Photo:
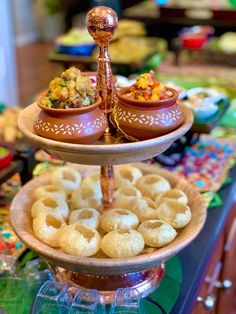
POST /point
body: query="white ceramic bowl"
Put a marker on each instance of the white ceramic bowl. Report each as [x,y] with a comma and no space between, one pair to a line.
[205,111]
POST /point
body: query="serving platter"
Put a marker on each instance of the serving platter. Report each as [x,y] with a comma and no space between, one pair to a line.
[144,271]
[98,153]
[100,265]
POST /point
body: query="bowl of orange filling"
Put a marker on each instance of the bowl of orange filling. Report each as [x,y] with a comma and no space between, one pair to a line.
[147,109]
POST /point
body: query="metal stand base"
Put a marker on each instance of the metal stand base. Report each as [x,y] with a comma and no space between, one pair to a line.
[145,282]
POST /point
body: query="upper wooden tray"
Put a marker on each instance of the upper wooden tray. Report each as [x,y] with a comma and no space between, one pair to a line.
[101,154]
[22,224]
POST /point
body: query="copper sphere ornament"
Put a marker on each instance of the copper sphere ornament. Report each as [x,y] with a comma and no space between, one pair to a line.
[102,23]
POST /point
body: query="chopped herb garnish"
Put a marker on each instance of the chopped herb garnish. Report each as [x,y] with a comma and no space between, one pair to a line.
[63,84]
[55,101]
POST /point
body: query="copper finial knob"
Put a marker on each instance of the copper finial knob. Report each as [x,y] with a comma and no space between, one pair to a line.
[102,23]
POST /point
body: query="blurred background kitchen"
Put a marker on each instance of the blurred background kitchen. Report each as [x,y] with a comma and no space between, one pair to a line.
[30,29]
[191,46]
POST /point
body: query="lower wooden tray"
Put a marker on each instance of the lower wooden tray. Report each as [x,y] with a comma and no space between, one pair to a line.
[149,259]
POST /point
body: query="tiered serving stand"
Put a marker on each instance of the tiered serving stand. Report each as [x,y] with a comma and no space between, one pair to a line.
[142,272]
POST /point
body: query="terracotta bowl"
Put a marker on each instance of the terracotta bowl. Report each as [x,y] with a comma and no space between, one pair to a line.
[75,125]
[144,120]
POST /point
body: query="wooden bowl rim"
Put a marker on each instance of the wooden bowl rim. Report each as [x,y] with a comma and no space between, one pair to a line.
[96,263]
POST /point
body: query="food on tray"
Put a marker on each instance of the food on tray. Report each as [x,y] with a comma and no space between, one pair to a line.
[75,42]
[174,213]
[148,89]
[66,178]
[75,36]
[9,131]
[146,203]
[79,240]
[126,176]
[175,194]
[227,42]
[122,243]
[117,218]
[86,197]
[50,204]
[123,196]
[144,208]
[85,216]
[130,50]
[203,101]
[157,233]
[151,185]
[70,90]
[46,227]
[92,180]
[49,190]
[130,28]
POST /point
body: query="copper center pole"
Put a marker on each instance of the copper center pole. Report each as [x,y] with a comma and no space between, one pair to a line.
[107,186]
[102,23]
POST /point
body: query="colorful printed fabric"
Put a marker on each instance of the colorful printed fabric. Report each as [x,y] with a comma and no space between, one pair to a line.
[206,164]
[9,243]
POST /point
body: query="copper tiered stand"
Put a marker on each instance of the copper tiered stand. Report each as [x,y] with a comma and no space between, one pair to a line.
[145,271]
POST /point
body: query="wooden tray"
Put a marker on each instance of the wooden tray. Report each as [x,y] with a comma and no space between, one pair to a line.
[22,224]
[100,154]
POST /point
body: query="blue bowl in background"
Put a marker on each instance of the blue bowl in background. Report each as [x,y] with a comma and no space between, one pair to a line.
[76,50]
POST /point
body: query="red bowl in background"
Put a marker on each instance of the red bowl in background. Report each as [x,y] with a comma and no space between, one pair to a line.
[5,157]
[193,41]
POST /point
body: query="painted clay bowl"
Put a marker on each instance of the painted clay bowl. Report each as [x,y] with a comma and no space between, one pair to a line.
[144,120]
[75,125]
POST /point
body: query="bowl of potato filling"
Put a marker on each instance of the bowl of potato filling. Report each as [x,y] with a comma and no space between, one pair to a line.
[70,110]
